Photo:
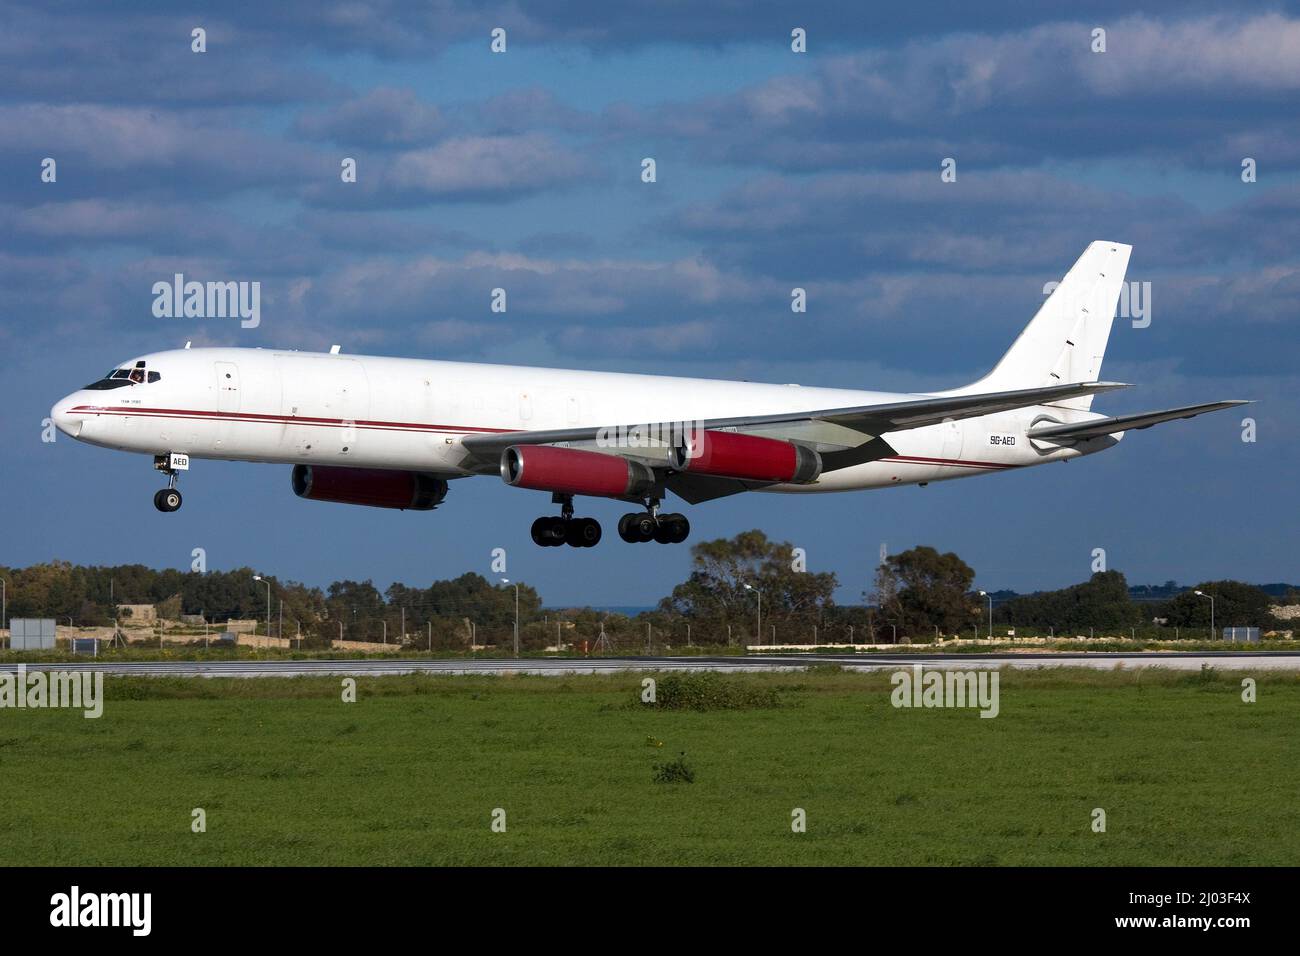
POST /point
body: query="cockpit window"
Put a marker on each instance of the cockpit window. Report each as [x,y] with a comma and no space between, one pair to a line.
[122,377]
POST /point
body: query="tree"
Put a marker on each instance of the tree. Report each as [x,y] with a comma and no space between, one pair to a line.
[715,597]
[921,588]
[1101,603]
[1236,604]
[360,606]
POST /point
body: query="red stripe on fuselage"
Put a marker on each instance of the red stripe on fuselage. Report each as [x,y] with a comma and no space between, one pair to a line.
[956,462]
[189,413]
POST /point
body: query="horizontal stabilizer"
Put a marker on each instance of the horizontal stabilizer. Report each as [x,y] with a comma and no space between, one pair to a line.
[1098,428]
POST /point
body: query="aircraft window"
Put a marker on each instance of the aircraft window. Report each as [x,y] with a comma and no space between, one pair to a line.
[106,383]
[120,377]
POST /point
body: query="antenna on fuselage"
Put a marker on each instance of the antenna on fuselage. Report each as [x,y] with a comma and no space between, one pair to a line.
[187,345]
[335,349]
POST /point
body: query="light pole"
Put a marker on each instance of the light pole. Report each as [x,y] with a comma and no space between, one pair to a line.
[1211,597]
[758,635]
[258,577]
[516,587]
[4,602]
[990,597]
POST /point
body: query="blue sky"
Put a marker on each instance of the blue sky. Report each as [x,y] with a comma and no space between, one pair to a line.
[775,170]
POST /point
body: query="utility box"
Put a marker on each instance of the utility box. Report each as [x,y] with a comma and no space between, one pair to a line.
[31,634]
[1247,635]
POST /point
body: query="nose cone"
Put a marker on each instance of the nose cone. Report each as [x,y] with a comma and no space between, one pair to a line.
[65,419]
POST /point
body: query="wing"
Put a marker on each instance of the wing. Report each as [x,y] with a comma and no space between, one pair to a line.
[833,430]
[1098,428]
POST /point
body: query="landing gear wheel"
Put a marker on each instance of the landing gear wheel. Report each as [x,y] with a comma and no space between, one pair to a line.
[636,527]
[679,528]
[583,533]
[555,532]
[548,532]
[644,525]
[541,532]
[167,500]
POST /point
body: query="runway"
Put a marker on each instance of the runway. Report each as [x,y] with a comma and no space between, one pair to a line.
[561,666]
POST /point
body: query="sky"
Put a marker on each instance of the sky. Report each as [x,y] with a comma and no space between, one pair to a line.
[775,169]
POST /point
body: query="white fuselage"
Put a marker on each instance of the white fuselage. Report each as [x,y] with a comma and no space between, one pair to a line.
[265,405]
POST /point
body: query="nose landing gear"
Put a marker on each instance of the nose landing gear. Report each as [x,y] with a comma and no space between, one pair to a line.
[551,532]
[169,499]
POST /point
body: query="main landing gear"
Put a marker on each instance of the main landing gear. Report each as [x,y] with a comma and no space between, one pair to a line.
[167,499]
[551,532]
[650,525]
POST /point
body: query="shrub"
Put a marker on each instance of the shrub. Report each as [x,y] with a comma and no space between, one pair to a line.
[674,771]
[709,691]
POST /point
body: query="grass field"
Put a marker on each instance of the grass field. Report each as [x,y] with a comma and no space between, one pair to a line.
[411,773]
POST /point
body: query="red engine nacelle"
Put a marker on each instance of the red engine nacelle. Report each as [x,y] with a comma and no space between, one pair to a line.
[376,487]
[749,457]
[572,471]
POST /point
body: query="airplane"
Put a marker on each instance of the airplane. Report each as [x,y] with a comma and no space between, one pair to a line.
[393,432]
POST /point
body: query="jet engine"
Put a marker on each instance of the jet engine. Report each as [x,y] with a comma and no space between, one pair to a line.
[748,457]
[376,487]
[572,471]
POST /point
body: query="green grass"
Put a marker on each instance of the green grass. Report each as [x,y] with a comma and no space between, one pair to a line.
[410,774]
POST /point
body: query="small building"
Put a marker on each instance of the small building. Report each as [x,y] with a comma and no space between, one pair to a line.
[138,613]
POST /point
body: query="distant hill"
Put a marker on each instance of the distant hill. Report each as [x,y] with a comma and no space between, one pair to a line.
[1160,592]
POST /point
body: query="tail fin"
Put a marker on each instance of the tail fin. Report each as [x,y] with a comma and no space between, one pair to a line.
[1066,340]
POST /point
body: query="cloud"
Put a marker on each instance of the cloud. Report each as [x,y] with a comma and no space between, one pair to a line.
[1022,97]
[112,54]
[380,118]
[121,151]
[461,168]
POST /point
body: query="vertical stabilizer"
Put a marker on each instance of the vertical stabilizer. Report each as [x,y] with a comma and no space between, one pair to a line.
[1066,341]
